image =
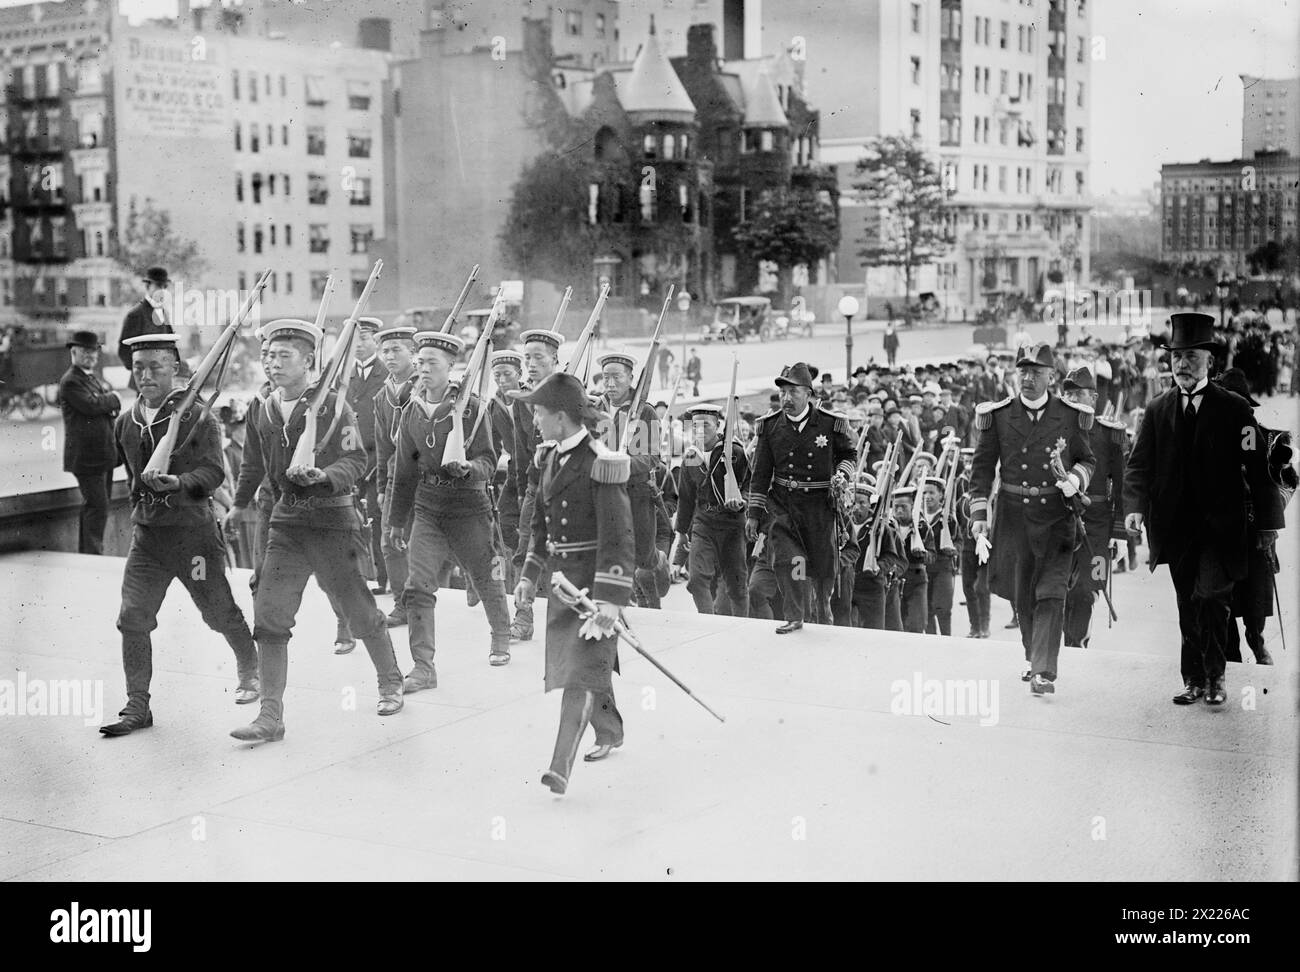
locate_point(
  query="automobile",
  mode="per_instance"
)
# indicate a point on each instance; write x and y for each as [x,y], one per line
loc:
[797,321]
[504,333]
[736,318]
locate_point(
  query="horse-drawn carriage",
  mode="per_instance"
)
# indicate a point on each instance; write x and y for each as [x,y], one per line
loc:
[30,369]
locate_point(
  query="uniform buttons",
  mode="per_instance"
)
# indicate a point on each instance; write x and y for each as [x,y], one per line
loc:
[1023,466]
[1025,449]
[1026,501]
[1043,501]
[564,522]
[564,502]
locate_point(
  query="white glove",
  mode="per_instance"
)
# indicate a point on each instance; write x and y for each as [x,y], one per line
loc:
[1069,486]
[982,548]
[1133,524]
[600,624]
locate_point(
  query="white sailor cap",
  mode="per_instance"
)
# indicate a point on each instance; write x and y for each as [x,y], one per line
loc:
[617,357]
[450,343]
[292,327]
[546,336]
[371,324]
[399,333]
[154,342]
[508,357]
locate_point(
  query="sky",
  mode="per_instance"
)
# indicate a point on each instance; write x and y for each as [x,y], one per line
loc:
[1167,90]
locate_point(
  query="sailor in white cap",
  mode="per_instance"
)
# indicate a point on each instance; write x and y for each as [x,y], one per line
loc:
[397,352]
[315,527]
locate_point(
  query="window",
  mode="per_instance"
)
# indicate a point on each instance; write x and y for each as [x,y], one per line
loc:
[288,233]
[647,200]
[1078,98]
[317,193]
[318,238]
[916,18]
[239,138]
[360,192]
[1003,80]
[600,25]
[1005,39]
[286,185]
[316,140]
[916,122]
[1004,127]
[239,187]
[270,136]
[252,86]
[284,134]
[270,185]
[916,70]
[359,95]
[288,282]
[242,282]
[573,23]
[284,89]
[59,240]
[91,128]
[359,281]
[255,183]
[318,281]
[99,243]
[1082,54]
[650,147]
[267,80]
[765,139]
[1078,183]
[239,238]
[684,150]
[1029,38]
[253,144]
[1078,139]
[358,145]
[362,236]
[1020,38]
[272,232]
[1002,178]
[684,203]
[1083,8]
[234,76]
[315,86]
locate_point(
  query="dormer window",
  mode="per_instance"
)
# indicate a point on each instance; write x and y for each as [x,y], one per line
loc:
[670,146]
[650,147]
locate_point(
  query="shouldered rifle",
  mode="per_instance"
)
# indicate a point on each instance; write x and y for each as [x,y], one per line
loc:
[641,391]
[730,485]
[880,499]
[453,449]
[216,360]
[450,322]
[580,346]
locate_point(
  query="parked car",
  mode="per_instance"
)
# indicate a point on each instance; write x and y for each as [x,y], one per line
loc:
[737,318]
[796,322]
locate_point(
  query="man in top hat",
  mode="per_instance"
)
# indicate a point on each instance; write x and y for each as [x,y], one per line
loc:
[315,527]
[444,501]
[397,354]
[541,360]
[1103,517]
[582,526]
[801,448]
[713,527]
[1038,444]
[1197,479]
[174,533]
[619,371]
[89,407]
[507,376]
[149,316]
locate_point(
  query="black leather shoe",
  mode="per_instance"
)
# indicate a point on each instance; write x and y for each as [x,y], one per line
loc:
[1262,657]
[379,589]
[555,781]
[128,722]
[1216,694]
[418,681]
[600,752]
[344,647]
[1041,686]
[498,658]
[397,619]
[1013,623]
[521,632]
[1189,695]
[260,730]
[1027,674]
[789,626]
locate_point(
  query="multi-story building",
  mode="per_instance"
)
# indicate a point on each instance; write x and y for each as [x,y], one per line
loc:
[998,92]
[264,153]
[1218,212]
[1270,115]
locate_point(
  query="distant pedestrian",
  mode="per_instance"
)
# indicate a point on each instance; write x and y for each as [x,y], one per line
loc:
[891,340]
[89,407]
[665,366]
[693,371]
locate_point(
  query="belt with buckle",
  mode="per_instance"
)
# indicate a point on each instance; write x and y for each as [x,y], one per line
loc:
[1028,490]
[149,498]
[801,486]
[297,501]
[443,482]
[584,546]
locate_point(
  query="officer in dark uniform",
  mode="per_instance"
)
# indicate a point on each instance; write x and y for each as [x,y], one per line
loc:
[582,525]
[89,407]
[1034,534]
[449,500]
[541,360]
[397,352]
[714,528]
[315,527]
[619,373]
[1103,517]
[801,447]
[174,533]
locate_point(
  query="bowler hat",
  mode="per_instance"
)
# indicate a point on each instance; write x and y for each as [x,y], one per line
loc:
[1234,379]
[1080,378]
[1189,330]
[797,374]
[85,339]
[156,275]
[1035,356]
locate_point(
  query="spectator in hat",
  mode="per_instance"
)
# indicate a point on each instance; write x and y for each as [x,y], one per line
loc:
[149,316]
[891,343]
[693,372]
[89,451]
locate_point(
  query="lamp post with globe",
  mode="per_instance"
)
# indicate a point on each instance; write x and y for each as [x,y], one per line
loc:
[848,306]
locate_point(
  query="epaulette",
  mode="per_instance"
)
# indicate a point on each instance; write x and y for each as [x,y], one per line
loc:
[1086,414]
[1111,423]
[984,412]
[758,422]
[841,420]
[540,454]
[610,466]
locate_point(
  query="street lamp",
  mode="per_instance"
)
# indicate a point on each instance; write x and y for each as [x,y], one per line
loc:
[848,306]
[1222,292]
[684,305]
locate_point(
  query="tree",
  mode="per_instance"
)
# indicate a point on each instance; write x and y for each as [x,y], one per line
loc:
[790,227]
[1272,257]
[901,180]
[547,233]
[148,241]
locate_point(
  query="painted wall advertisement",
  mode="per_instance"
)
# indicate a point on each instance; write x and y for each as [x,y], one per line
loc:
[172,87]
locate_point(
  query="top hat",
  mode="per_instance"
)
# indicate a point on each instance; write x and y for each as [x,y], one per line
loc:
[402,332]
[859,370]
[1234,379]
[156,275]
[797,374]
[85,339]
[1035,356]
[553,338]
[560,391]
[617,357]
[1079,378]
[1189,330]
[450,343]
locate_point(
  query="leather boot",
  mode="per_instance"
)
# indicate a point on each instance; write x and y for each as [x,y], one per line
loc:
[521,629]
[575,715]
[137,664]
[273,673]
[420,611]
[241,643]
[380,648]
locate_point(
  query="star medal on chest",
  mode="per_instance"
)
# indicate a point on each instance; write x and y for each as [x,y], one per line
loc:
[820,442]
